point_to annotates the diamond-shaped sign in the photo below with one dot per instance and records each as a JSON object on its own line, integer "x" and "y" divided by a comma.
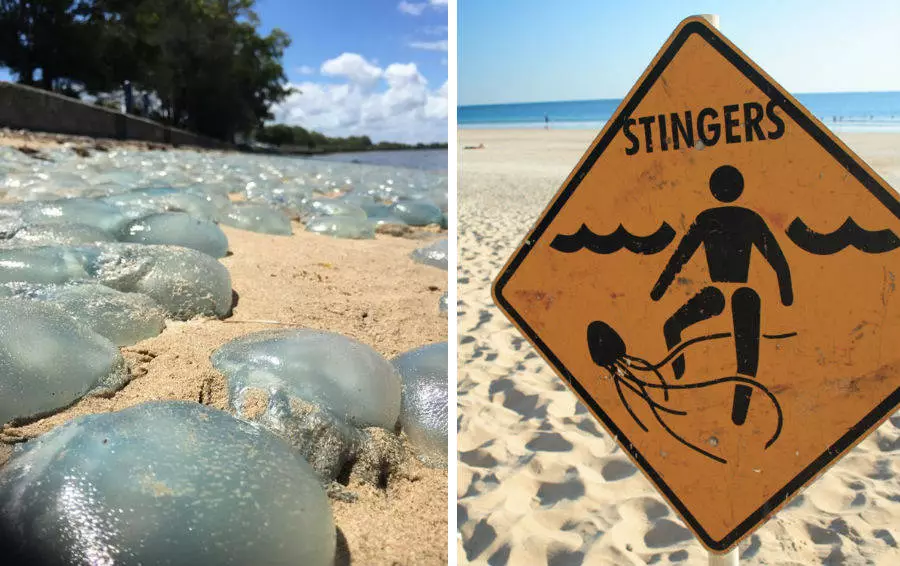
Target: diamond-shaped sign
{"x": 716, "y": 280}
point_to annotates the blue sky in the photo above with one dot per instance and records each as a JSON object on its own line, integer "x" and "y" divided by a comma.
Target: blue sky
{"x": 376, "y": 29}
{"x": 365, "y": 67}
{"x": 534, "y": 50}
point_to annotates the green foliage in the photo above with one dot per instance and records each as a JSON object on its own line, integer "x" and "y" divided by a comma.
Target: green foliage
{"x": 300, "y": 138}
{"x": 205, "y": 60}
{"x": 279, "y": 135}
{"x": 40, "y": 35}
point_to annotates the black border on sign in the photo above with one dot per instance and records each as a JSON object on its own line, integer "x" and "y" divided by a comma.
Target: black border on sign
{"x": 849, "y": 162}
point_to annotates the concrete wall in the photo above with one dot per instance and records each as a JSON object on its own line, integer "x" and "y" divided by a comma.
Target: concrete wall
{"x": 27, "y": 108}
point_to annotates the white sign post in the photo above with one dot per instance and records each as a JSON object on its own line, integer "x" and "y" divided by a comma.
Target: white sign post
{"x": 730, "y": 559}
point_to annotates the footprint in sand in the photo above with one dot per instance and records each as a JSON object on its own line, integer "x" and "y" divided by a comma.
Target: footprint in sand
{"x": 479, "y": 539}
{"x": 882, "y": 470}
{"x": 885, "y": 536}
{"x": 549, "y": 442}
{"x": 665, "y": 533}
{"x": 615, "y": 470}
{"x": 572, "y": 488}
{"x": 477, "y": 459}
{"x": 564, "y": 557}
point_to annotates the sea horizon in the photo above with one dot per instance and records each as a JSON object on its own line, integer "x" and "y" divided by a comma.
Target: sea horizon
{"x": 425, "y": 159}
{"x": 840, "y": 111}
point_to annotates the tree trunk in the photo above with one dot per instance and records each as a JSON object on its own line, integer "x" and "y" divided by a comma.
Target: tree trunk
{"x": 46, "y": 80}
{"x": 26, "y": 74}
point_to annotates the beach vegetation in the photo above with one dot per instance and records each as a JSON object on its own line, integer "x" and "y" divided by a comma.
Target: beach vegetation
{"x": 301, "y": 140}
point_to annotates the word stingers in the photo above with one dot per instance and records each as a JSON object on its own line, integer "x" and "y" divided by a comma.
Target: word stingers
{"x": 738, "y": 123}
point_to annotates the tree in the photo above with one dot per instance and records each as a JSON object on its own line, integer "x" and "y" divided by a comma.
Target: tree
{"x": 46, "y": 35}
{"x": 205, "y": 60}
{"x": 282, "y": 134}
{"x": 241, "y": 75}
{"x": 276, "y": 135}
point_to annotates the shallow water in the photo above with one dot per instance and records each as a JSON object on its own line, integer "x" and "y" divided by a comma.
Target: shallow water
{"x": 425, "y": 159}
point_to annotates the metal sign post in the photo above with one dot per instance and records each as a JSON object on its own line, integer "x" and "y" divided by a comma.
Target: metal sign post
{"x": 731, "y": 558}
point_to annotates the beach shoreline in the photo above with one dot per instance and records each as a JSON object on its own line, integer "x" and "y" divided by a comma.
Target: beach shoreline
{"x": 843, "y": 111}
{"x": 39, "y": 141}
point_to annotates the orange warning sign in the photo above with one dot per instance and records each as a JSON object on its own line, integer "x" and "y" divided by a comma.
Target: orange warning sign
{"x": 716, "y": 280}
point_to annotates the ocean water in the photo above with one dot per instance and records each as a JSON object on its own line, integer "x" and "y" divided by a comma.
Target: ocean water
{"x": 424, "y": 159}
{"x": 840, "y": 111}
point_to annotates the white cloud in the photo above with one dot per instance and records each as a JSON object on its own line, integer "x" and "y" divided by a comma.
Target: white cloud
{"x": 353, "y": 67}
{"x": 306, "y": 70}
{"x": 411, "y": 8}
{"x": 416, "y": 8}
{"x": 394, "y": 103}
{"x": 429, "y": 45}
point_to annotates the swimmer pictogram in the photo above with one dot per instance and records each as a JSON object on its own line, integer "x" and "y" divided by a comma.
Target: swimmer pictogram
{"x": 728, "y": 234}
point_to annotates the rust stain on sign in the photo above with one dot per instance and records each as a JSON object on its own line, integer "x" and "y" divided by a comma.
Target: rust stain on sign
{"x": 536, "y": 298}
{"x": 713, "y": 280}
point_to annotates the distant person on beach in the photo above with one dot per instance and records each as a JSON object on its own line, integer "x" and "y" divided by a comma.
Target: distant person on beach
{"x": 546, "y": 122}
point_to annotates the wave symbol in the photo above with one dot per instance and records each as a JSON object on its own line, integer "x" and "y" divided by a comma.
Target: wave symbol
{"x": 849, "y": 234}
{"x": 611, "y": 243}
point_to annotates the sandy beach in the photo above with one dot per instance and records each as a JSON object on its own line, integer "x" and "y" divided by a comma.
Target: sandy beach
{"x": 369, "y": 290}
{"x": 540, "y": 481}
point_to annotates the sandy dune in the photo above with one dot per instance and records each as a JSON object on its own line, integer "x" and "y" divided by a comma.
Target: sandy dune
{"x": 539, "y": 481}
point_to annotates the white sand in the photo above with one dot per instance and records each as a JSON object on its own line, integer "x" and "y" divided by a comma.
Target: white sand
{"x": 540, "y": 482}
